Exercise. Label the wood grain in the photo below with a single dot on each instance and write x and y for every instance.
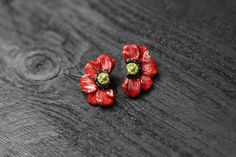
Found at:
(190, 111)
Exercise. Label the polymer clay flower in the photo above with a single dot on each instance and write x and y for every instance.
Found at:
(96, 81)
(141, 68)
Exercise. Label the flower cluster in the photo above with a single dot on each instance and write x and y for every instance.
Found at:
(141, 68)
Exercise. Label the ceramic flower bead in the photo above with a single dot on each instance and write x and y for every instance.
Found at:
(141, 68)
(96, 81)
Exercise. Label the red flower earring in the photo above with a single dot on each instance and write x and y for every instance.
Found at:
(141, 68)
(96, 81)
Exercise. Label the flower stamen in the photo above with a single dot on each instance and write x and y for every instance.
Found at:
(103, 79)
(133, 69)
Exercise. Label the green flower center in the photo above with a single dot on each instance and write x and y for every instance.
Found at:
(103, 78)
(132, 68)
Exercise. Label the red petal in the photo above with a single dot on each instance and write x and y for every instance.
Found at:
(92, 98)
(87, 84)
(107, 63)
(130, 52)
(131, 87)
(143, 50)
(146, 82)
(92, 68)
(110, 93)
(145, 58)
(105, 97)
(149, 68)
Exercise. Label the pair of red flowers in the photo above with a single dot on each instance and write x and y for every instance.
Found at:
(141, 68)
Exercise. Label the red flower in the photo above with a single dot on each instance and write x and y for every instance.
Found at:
(96, 81)
(141, 68)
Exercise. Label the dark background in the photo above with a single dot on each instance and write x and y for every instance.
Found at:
(190, 111)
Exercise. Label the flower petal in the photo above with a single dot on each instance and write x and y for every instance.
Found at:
(92, 98)
(143, 50)
(107, 63)
(92, 68)
(105, 97)
(145, 57)
(146, 82)
(87, 84)
(131, 87)
(149, 68)
(130, 52)
(110, 93)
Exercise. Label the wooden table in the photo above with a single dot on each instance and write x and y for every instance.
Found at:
(190, 111)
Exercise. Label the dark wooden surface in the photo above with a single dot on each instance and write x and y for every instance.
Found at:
(190, 111)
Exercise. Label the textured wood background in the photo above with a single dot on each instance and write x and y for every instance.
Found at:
(190, 111)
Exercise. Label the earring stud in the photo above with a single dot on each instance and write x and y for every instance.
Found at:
(141, 69)
(96, 81)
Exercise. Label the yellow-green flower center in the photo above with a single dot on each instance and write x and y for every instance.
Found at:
(103, 78)
(132, 69)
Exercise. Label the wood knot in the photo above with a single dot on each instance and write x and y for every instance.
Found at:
(40, 65)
